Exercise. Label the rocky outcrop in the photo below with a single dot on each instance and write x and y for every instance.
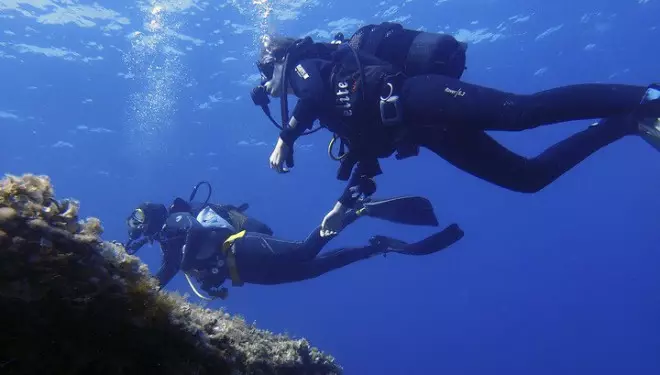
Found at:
(71, 303)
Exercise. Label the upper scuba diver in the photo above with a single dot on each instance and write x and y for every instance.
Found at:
(389, 89)
(213, 243)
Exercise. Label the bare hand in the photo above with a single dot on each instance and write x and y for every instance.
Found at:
(333, 222)
(279, 156)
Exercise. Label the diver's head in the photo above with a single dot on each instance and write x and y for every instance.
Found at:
(271, 62)
(273, 51)
(146, 220)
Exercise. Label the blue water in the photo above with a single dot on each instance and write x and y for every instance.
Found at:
(561, 282)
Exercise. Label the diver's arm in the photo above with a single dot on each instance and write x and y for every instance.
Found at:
(171, 263)
(307, 83)
(283, 151)
(302, 119)
(132, 246)
(360, 183)
(214, 288)
(351, 193)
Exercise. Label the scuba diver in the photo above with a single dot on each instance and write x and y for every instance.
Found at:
(392, 90)
(211, 246)
(141, 234)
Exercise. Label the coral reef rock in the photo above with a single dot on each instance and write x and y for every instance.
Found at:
(71, 303)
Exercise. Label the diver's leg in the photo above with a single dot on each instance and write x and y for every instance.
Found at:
(339, 258)
(324, 263)
(263, 259)
(314, 243)
(480, 155)
(257, 266)
(435, 100)
(257, 255)
(291, 251)
(255, 251)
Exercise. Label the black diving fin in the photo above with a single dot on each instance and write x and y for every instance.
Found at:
(431, 244)
(412, 210)
(649, 127)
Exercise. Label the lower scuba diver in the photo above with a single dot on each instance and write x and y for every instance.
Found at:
(392, 90)
(211, 246)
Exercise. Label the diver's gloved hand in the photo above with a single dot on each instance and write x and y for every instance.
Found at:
(133, 245)
(281, 154)
(333, 222)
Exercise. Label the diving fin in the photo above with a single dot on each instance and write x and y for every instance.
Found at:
(429, 245)
(388, 244)
(649, 128)
(650, 131)
(412, 210)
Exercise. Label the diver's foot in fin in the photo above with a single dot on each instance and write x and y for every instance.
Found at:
(649, 130)
(431, 244)
(623, 125)
(649, 106)
(411, 210)
(387, 244)
(648, 116)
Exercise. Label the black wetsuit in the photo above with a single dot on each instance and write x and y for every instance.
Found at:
(264, 259)
(260, 258)
(267, 260)
(451, 117)
(179, 227)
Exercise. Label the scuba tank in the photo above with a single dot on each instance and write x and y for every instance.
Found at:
(414, 52)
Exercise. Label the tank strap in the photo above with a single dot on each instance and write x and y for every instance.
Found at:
(376, 36)
(228, 251)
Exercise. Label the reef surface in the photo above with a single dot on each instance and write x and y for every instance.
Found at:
(72, 303)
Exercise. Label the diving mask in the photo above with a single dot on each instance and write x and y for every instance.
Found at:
(136, 220)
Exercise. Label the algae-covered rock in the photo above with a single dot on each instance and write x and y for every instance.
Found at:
(71, 303)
